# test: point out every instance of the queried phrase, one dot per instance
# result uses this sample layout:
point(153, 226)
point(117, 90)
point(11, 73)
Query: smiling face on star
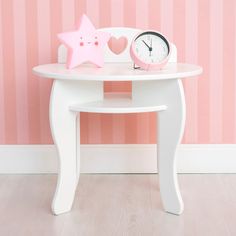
point(85, 41)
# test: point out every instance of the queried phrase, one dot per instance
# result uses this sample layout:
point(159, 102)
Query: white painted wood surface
point(119, 158)
point(116, 72)
point(64, 133)
point(170, 131)
point(81, 89)
point(118, 103)
point(117, 32)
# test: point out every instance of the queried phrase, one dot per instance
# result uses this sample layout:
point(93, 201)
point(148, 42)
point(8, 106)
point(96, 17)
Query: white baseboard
point(140, 158)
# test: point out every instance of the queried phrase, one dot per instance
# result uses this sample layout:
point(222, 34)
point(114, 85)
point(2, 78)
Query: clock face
point(151, 47)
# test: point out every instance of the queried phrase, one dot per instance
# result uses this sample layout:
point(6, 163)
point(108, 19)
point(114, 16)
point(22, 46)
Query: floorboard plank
point(110, 205)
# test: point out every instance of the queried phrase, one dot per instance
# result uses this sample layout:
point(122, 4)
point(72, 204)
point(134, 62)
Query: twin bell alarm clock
point(150, 50)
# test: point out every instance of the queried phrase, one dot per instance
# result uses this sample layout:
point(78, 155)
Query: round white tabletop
point(116, 72)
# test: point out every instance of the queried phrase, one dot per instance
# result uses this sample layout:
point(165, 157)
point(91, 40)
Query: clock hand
point(150, 48)
point(146, 44)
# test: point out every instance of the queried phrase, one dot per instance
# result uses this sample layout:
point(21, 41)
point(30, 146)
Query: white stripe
point(20, 50)
point(167, 18)
point(191, 55)
point(216, 76)
point(68, 15)
point(2, 116)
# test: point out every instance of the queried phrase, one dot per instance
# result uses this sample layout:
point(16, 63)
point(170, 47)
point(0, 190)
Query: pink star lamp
point(85, 44)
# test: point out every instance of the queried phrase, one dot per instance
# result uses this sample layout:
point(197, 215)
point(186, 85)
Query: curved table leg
point(170, 131)
point(64, 132)
point(171, 126)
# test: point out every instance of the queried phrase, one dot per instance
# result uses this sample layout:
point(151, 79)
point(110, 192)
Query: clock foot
point(136, 67)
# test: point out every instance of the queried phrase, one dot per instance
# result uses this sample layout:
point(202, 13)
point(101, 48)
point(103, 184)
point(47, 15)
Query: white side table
point(81, 90)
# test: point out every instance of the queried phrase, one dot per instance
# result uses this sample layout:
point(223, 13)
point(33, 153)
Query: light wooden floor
point(108, 205)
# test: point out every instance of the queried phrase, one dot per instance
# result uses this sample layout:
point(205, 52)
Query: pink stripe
point(154, 14)
point(167, 18)
point(142, 14)
point(94, 120)
point(118, 128)
point(117, 13)
point(153, 127)
point(94, 128)
point(9, 73)
point(33, 81)
point(179, 26)
point(228, 73)
point(68, 15)
point(106, 128)
point(93, 9)
point(121, 86)
point(130, 13)
point(105, 14)
point(234, 76)
point(55, 26)
point(84, 128)
point(179, 32)
point(2, 93)
point(44, 57)
point(107, 87)
point(130, 128)
point(21, 72)
point(191, 85)
point(216, 73)
point(80, 8)
point(203, 80)
point(143, 134)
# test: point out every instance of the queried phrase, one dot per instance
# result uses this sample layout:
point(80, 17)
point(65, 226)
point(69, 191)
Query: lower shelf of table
point(117, 103)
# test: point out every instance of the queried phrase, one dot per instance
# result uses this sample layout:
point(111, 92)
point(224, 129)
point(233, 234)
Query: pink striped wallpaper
point(203, 30)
